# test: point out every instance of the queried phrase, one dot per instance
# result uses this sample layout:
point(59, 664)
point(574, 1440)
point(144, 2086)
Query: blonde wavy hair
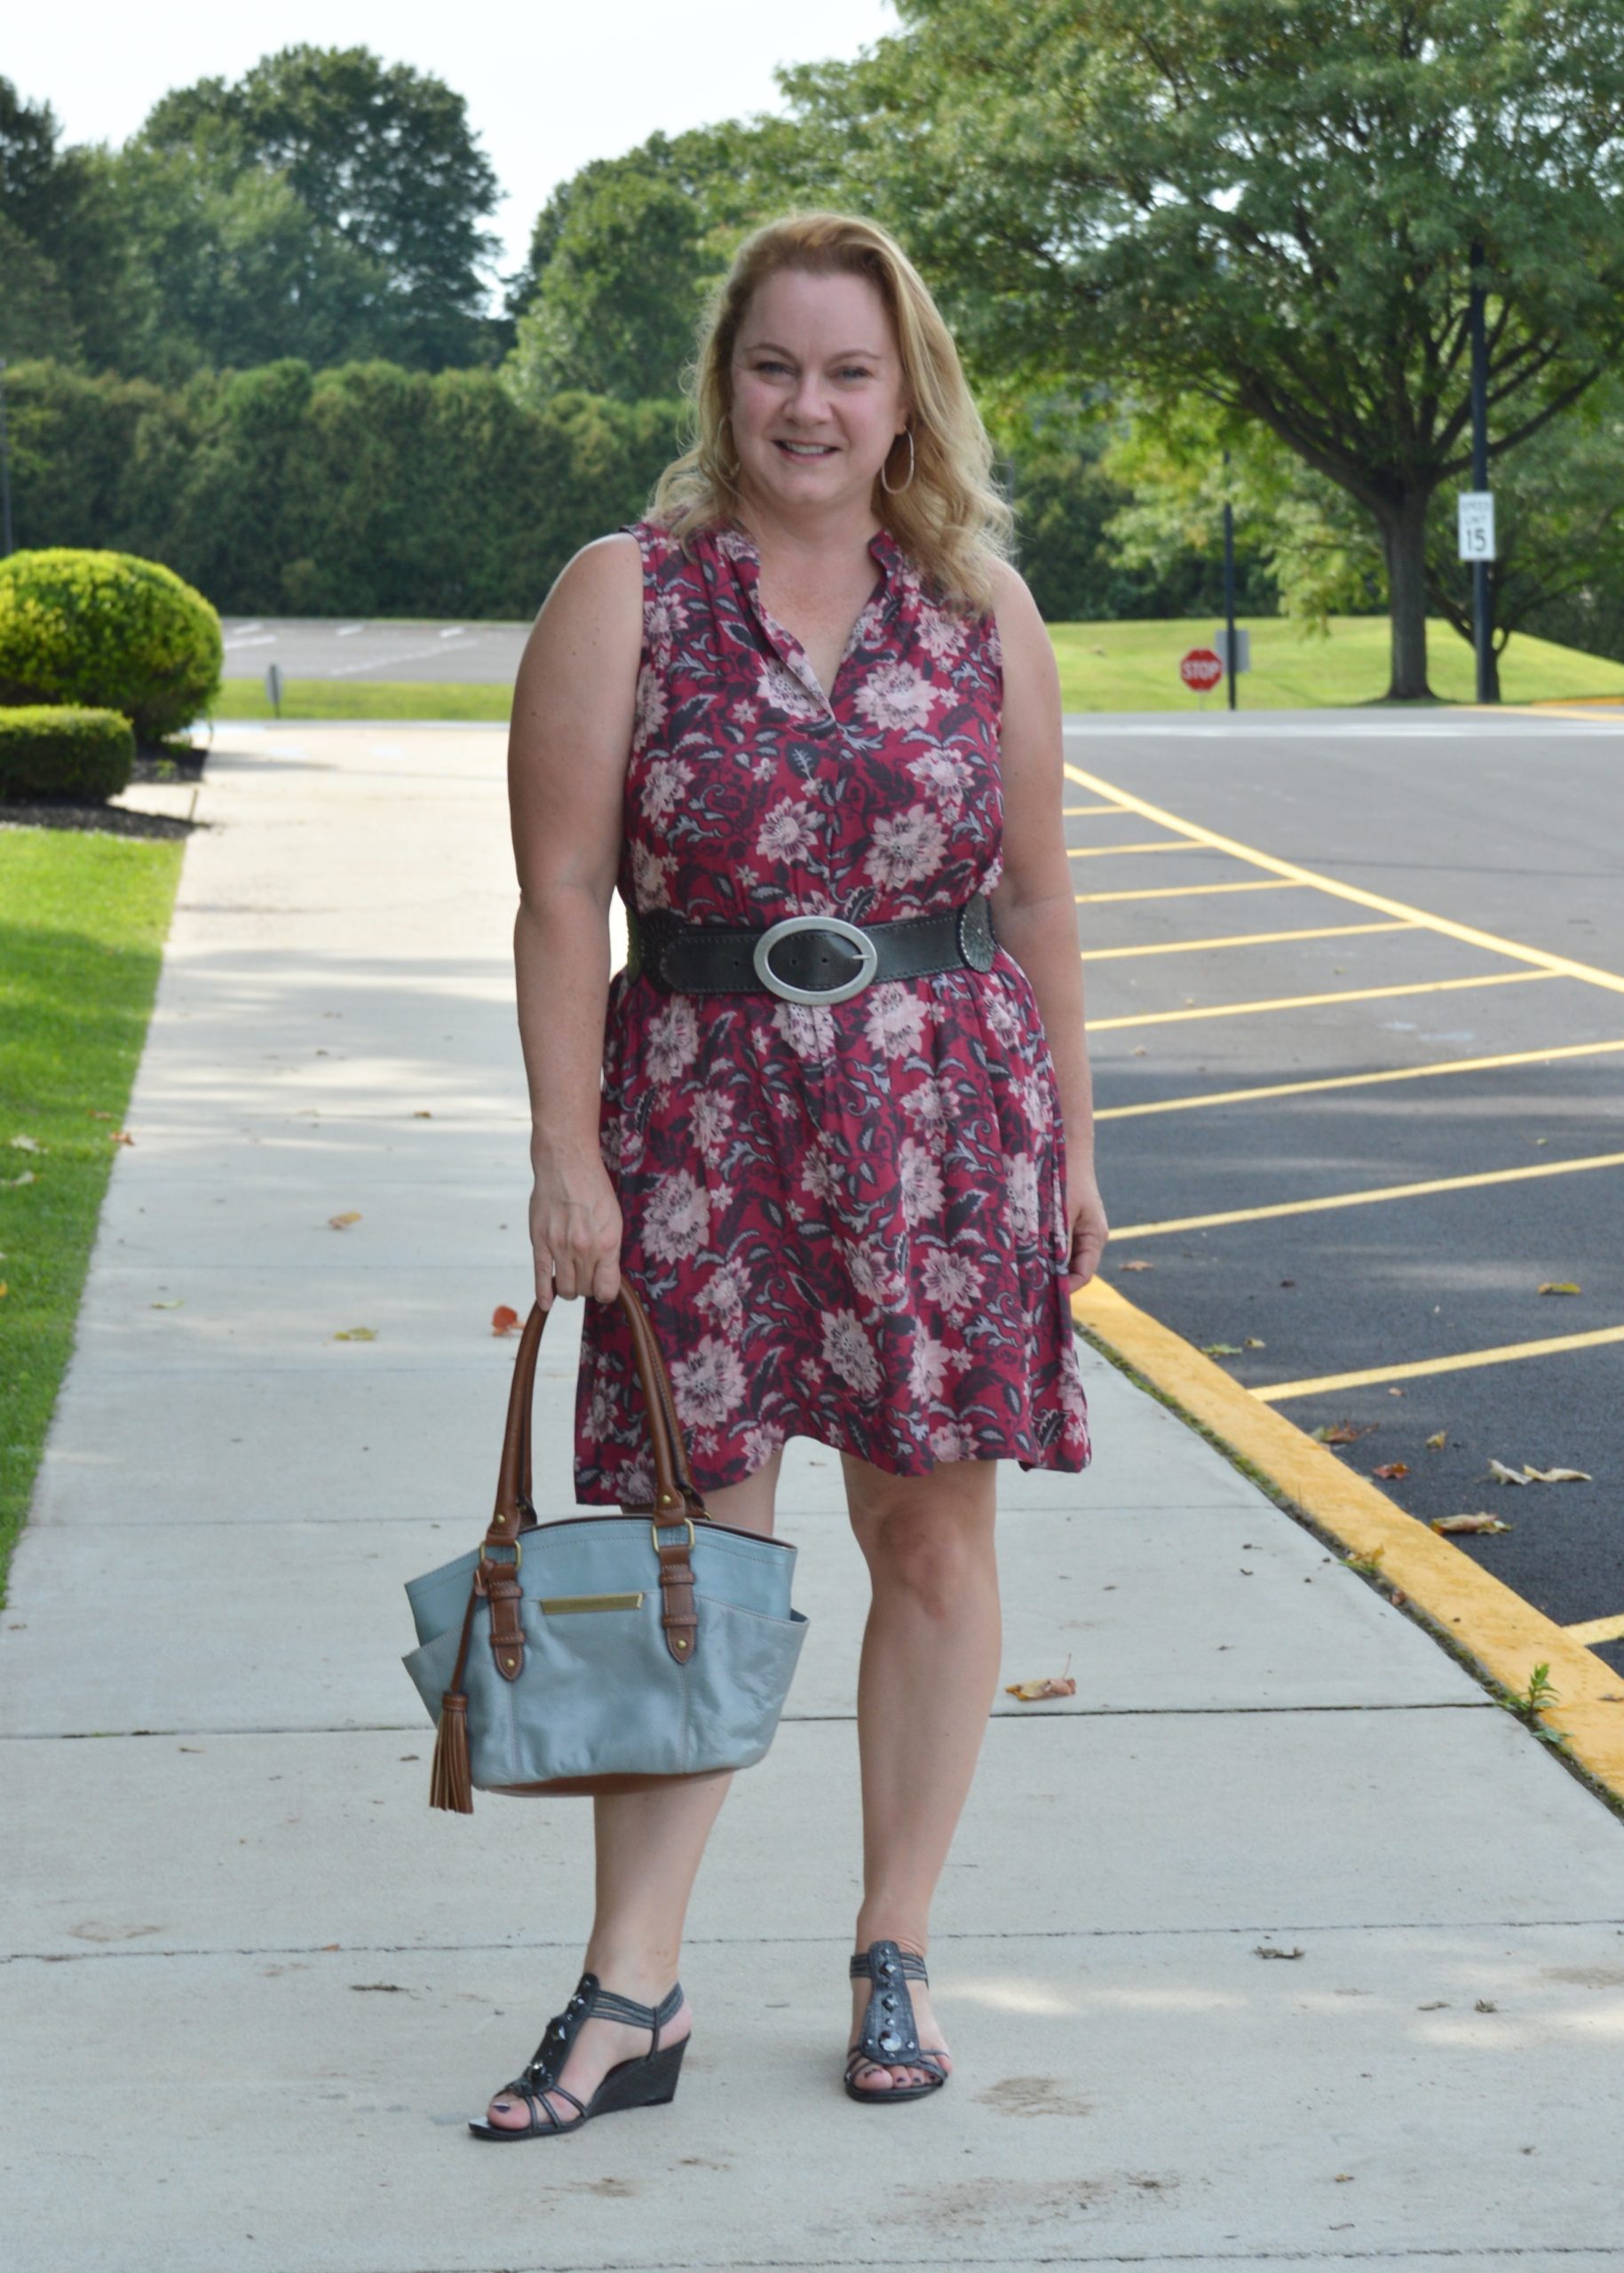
point(950, 519)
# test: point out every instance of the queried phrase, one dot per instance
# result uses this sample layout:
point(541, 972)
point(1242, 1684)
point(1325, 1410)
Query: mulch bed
point(116, 820)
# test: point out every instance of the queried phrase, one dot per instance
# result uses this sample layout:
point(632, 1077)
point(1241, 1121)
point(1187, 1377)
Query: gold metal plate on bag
point(561, 1606)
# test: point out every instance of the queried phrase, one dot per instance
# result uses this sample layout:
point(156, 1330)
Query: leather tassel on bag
point(450, 1779)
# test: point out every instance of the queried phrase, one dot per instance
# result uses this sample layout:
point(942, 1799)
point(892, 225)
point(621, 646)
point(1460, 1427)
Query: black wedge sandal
point(650, 2080)
point(889, 2036)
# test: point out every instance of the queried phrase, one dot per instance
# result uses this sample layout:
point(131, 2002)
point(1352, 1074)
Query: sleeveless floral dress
point(846, 1221)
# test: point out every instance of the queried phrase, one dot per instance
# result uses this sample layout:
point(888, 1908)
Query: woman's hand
point(574, 1229)
point(1086, 1213)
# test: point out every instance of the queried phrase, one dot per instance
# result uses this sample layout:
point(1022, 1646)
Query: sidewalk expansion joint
point(1488, 1627)
point(793, 1720)
point(356, 1949)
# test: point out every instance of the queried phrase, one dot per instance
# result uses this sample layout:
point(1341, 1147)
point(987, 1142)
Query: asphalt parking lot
point(1357, 1026)
point(467, 653)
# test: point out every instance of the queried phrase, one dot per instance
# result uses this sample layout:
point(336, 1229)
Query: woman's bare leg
point(649, 1845)
point(928, 1675)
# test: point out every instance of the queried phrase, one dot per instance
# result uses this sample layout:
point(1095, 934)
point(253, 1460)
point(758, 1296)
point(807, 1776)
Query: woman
point(809, 684)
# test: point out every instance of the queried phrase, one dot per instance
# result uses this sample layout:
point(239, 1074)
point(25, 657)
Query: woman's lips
point(806, 452)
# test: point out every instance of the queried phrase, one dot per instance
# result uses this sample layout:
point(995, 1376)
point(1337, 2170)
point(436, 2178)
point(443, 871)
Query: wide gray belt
point(806, 958)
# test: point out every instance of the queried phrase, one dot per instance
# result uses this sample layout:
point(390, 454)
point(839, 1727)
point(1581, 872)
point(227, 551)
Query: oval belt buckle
point(762, 958)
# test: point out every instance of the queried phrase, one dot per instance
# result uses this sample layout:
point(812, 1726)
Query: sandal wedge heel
point(648, 2080)
point(889, 2036)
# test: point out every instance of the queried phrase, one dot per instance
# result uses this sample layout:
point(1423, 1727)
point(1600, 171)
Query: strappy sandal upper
point(648, 2080)
point(889, 2036)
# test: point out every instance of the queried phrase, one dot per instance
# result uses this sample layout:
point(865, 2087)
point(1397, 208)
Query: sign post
point(1242, 638)
point(273, 688)
point(1477, 509)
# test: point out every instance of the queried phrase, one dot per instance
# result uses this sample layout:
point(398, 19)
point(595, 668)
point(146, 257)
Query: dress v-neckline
point(740, 547)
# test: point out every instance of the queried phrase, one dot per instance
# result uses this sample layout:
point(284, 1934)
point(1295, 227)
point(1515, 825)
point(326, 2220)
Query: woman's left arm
point(1034, 909)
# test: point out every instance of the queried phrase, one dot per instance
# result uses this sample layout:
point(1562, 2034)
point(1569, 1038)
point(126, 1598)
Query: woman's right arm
point(574, 707)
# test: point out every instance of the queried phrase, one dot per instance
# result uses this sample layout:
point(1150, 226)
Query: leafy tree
point(1075, 499)
point(35, 316)
point(239, 270)
point(1269, 204)
point(381, 157)
point(624, 253)
point(68, 284)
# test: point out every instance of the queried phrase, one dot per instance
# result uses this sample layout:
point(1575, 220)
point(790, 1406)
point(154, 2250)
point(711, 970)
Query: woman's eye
point(854, 371)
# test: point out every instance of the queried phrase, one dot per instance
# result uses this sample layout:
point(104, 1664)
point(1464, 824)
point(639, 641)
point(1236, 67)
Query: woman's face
point(818, 393)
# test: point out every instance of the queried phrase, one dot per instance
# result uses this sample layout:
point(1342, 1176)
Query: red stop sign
point(1200, 669)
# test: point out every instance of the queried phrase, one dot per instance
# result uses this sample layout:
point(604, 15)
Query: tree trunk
point(1404, 538)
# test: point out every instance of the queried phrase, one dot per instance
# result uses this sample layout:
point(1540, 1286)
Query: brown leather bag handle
point(675, 1493)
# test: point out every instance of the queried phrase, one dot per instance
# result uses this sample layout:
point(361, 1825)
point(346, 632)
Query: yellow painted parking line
point(1463, 1362)
point(1596, 1629)
point(1071, 811)
point(1367, 1199)
point(1354, 1081)
point(1309, 1002)
point(1565, 710)
point(1156, 844)
point(1240, 939)
point(1558, 966)
point(1505, 1637)
point(1175, 891)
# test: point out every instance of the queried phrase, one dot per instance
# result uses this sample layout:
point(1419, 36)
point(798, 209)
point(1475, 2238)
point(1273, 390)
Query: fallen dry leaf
point(502, 1319)
point(1435, 1443)
point(1557, 1476)
point(1254, 1342)
point(423, 1113)
point(4, 1288)
point(166, 1306)
point(1502, 1474)
point(1560, 1287)
point(1052, 1685)
point(1448, 1524)
point(97, 1114)
point(1220, 1350)
point(357, 1333)
point(1390, 1469)
point(11, 1182)
point(1395, 1392)
point(28, 1144)
point(1135, 1266)
point(1340, 1432)
point(120, 1137)
point(343, 1223)
point(1267, 1949)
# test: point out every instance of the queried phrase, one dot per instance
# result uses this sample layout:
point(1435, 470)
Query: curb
point(1497, 1634)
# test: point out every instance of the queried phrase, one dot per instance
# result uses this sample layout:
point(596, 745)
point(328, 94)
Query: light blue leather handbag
point(610, 1651)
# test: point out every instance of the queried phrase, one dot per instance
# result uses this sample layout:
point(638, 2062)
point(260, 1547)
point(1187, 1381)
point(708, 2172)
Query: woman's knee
point(930, 1538)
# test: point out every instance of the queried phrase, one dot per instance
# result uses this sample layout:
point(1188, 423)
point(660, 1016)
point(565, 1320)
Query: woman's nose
point(806, 401)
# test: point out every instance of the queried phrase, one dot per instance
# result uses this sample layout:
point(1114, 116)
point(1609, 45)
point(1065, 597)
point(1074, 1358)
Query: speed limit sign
point(1474, 509)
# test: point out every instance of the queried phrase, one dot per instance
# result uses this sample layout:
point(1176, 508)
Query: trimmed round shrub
point(50, 755)
point(107, 630)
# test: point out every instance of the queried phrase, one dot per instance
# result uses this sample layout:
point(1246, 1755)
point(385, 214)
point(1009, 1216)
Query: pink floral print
point(847, 1221)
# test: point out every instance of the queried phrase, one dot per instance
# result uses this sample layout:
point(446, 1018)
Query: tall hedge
point(371, 490)
point(363, 490)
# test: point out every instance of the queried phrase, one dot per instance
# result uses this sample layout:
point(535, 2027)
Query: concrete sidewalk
point(253, 1986)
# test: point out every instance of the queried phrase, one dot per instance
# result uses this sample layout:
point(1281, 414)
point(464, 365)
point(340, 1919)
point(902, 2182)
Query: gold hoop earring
point(901, 485)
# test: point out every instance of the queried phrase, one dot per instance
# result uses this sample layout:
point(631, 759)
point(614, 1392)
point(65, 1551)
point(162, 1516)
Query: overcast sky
point(548, 86)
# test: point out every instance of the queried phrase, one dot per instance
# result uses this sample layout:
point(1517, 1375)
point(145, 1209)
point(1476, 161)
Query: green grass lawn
point(1135, 666)
point(82, 920)
point(351, 698)
point(1103, 666)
